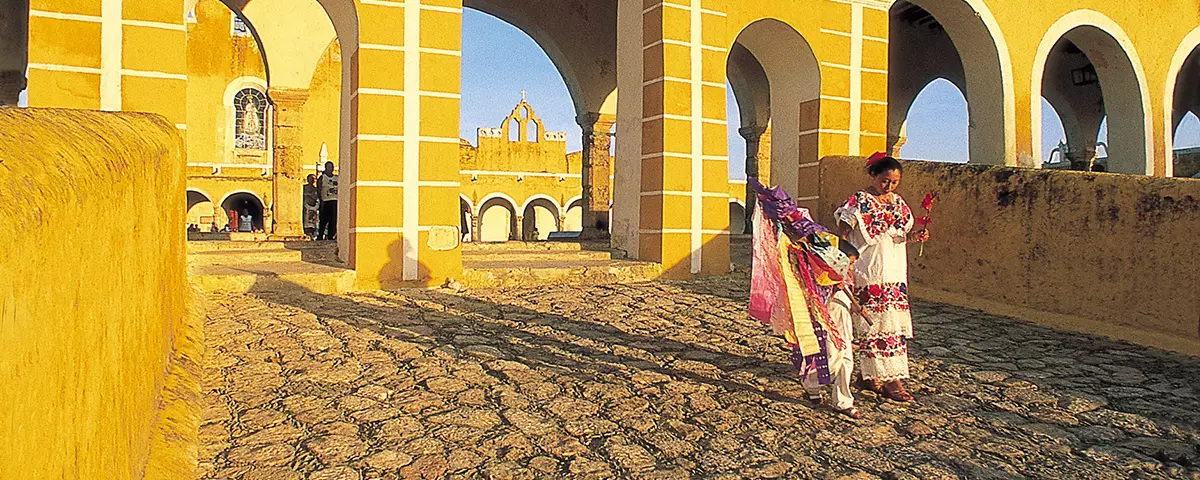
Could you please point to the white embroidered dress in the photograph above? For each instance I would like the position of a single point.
(879, 231)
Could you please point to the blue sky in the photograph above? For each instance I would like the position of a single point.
(499, 61)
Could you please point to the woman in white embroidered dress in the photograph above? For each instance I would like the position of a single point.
(878, 222)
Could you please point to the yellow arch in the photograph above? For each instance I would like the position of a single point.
(1189, 44)
(1068, 22)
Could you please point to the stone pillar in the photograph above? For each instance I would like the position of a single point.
(11, 84)
(895, 143)
(288, 177)
(754, 134)
(518, 233)
(597, 170)
(475, 221)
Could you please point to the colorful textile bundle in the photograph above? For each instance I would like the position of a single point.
(797, 266)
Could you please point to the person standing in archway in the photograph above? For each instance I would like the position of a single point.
(878, 223)
(312, 202)
(327, 186)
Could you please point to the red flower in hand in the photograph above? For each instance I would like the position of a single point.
(927, 203)
(924, 221)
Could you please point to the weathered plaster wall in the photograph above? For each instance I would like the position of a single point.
(1114, 248)
(98, 350)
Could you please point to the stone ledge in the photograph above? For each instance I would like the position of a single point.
(1060, 321)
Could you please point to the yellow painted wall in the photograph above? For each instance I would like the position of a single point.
(519, 171)
(1117, 249)
(322, 110)
(92, 295)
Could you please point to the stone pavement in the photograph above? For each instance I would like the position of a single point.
(662, 380)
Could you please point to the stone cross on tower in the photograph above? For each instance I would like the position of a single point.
(523, 95)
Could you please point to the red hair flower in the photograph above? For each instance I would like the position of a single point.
(877, 156)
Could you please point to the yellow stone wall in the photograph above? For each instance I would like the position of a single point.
(1105, 247)
(127, 55)
(322, 110)
(92, 309)
(515, 173)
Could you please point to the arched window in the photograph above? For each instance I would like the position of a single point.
(250, 108)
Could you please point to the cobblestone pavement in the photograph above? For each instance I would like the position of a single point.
(662, 380)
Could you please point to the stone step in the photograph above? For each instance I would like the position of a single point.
(228, 236)
(225, 245)
(213, 245)
(490, 274)
(245, 256)
(532, 246)
(499, 256)
(272, 277)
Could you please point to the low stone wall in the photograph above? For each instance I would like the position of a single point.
(1118, 250)
(98, 349)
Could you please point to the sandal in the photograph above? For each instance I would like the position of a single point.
(894, 390)
(849, 412)
(872, 385)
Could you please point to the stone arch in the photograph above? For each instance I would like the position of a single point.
(529, 128)
(1121, 82)
(752, 93)
(544, 199)
(793, 80)
(495, 226)
(1181, 92)
(243, 201)
(201, 210)
(946, 135)
(580, 42)
(540, 213)
(573, 215)
(973, 56)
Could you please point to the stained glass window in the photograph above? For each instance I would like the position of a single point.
(238, 28)
(250, 109)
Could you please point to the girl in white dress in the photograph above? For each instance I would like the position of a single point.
(878, 223)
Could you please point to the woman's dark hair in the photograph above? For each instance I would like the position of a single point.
(885, 164)
(846, 248)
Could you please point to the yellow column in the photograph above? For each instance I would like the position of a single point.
(404, 184)
(684, 215)
(288, 179)
(597, 169)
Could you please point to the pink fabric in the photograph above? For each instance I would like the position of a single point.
(768, 301)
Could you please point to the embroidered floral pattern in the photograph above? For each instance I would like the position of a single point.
(886, 347)
(878, 217)
(881, 298)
